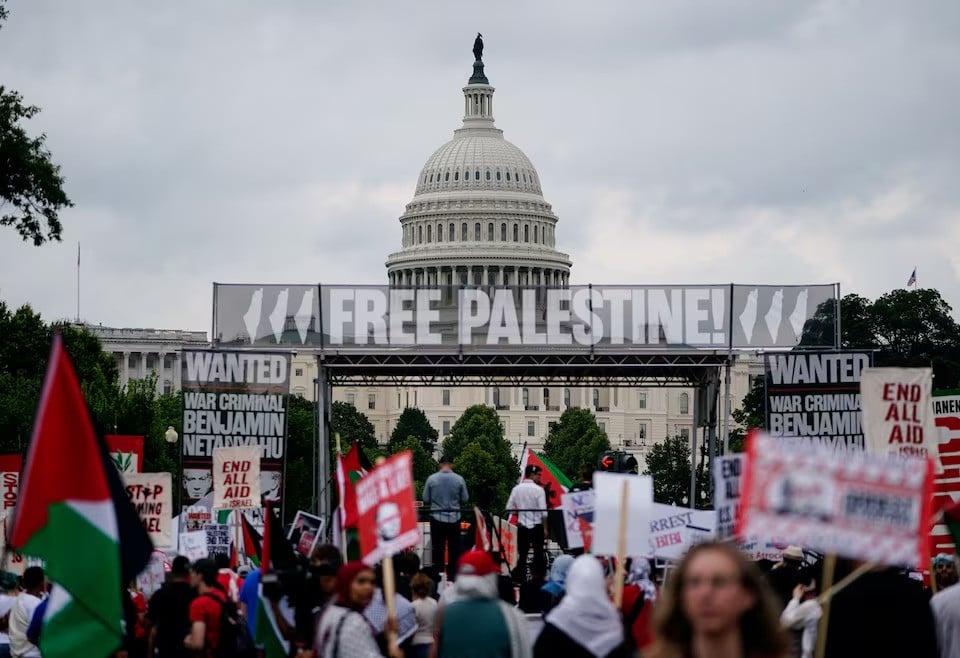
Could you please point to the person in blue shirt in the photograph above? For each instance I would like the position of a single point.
(444, 493)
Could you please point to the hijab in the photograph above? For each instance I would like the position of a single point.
(345, 577)
(585, 613)
(557, 581)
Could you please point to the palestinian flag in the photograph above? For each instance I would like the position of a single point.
(252, 541)
(350, 468)
(554, 482)
(277, 553)
(74, 514)
(951, 518)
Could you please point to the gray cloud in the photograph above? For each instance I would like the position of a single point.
(690, 141)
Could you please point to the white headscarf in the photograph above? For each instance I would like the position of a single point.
(586, 613)
(639, 575)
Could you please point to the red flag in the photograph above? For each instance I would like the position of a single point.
(349, 470)
(552, 479)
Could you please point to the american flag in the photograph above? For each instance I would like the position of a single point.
(912, 281)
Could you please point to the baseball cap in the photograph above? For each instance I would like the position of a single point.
(476, 563)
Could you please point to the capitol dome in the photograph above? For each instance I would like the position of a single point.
(478, 216)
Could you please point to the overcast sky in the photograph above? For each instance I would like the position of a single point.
(679, 142)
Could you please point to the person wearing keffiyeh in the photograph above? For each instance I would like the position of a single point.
(639, 597)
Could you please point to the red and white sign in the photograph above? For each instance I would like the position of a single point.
(864, 507)
(898, 412)
(150, 494)
(10, 466)
(388, 518)
(236, 477)
(946, 414)
(126, 450)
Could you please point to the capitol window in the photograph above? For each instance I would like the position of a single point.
(516, 233)
(476, 232)
(498, 175)
(429, 233)
(503, 232)
(490, 232)
(431, 178)
(684, 403)
(439, 232)
(452, 235)
(535, 234)
(508, 176)
(456, 175)
(463, 232)
(477, 175)
(526, 233)
(420, 234)
(488, 174)
(446, 176)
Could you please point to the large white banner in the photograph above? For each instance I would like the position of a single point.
(236, 477)
(150, 494)
(727, 472)
(898, 412)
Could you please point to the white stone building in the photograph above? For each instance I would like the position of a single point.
(479, 217)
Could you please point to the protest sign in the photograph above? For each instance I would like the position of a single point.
(126, 451)
(152, 577)
(150, 494)
(674, 530)
(388, 518)
(864, 507)
(607, 508)
(193, 545)
(898, 412)
(946, 414)
(10, 466)
(305, 532)
(578, 518)
(13, 561)
(236, 477)
(727, 472)
(233, 399)
(814, 397)
(218, 538)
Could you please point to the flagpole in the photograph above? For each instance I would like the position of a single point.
(78, 282)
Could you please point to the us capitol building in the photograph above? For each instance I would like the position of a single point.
(478, 217)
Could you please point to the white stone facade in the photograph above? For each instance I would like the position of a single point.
(140, 352)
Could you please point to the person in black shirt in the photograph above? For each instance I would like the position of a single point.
(169, 613)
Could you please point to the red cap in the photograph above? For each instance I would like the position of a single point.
(476, 563)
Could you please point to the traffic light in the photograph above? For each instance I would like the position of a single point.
(617, 461)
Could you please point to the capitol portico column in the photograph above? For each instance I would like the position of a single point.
(486, 277)
(177, 359)
(143, 365)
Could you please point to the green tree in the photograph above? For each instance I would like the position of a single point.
(669, 465)
(31, 187)
(750, 415)
(482, 456)
(423, 464)
(353, 427)
(575, 441)
(300, 456)
(413, 422)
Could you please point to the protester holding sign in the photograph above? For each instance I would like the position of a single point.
(716, 604)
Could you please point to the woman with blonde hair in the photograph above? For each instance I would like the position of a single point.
(717, 605)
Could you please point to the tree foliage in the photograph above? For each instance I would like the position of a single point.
(482, 456)
(352, 425)
(669, 465)
(413, 422)
(301, 457)
(31, 186)
(423, 463)
(575, 441)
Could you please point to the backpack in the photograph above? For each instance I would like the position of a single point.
(235, 640)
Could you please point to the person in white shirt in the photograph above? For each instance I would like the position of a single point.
(530, 502)
(34, 585)
(801, 617)
(946, 612)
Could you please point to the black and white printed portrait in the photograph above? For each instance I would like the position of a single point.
(197, 482)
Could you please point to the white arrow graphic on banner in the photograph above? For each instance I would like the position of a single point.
(749, 316)
(304, 315)
(279, 315)
(251, 319)
(774, 316)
